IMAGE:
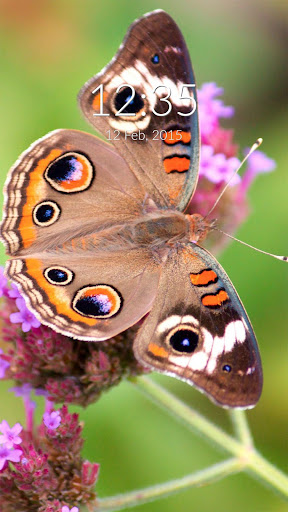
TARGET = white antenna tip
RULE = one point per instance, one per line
(256, 145)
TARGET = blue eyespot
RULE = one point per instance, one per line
(46, 213)
(227, 368)
(132, 106)
(155, 59)
(59, 275)
(184, 340)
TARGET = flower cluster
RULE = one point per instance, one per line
(43, 471)
(68, 370)
(218, 162)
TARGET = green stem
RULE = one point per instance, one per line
(251, 460)
(241, 427)
(205, 476)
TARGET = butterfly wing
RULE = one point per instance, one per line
(164, 150)
(87, 294)
(199, 331)
(67, 184)
(68, 201)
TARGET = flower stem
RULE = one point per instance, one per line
(241, 426)
(205, 476)
(251, 460)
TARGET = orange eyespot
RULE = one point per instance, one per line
(97, 301)
(71, 172)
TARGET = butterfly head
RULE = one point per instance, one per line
(199, 227)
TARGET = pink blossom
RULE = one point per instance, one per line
(14, 292)
(9, 435)
(6, 455)
(24, 316)
(4, 290)
(52, 419)
(216, 167)
(24, 390)
(67, 509)
(258, 163)
(211, 109)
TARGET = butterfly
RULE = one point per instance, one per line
(97, 233)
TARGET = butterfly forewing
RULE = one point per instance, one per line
(161, 142)
(67, 185)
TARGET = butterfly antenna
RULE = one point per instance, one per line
(281, 258)
(252, 149)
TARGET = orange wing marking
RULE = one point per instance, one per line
(215, 300)
(203, 278)
(96, 103)
(176, 136)
(34, 192)
(56, 295)
(157, 351)
(176, 163)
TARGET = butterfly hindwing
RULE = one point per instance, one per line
(86, 293)
(164, 150)
(199, 331)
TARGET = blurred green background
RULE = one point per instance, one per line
(48, 50)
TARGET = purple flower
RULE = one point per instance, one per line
(14, 292)
(23, 390)
(211, 109)
(52, 419)
(9, 435)
(4, 290)
(24, 316)
(67, 509)
(258, 163)
(6, 454)
(216, 167)
(3, 365)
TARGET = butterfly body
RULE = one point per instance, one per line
(98, 236)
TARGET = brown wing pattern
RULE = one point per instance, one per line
(153, 54)
(199, 331)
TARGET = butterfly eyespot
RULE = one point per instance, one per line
(227, 368)
(133, 106)
(97, 301)
(184, 339)
(59, 275)
(46, 213)
(155, 59)
(71, 172)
